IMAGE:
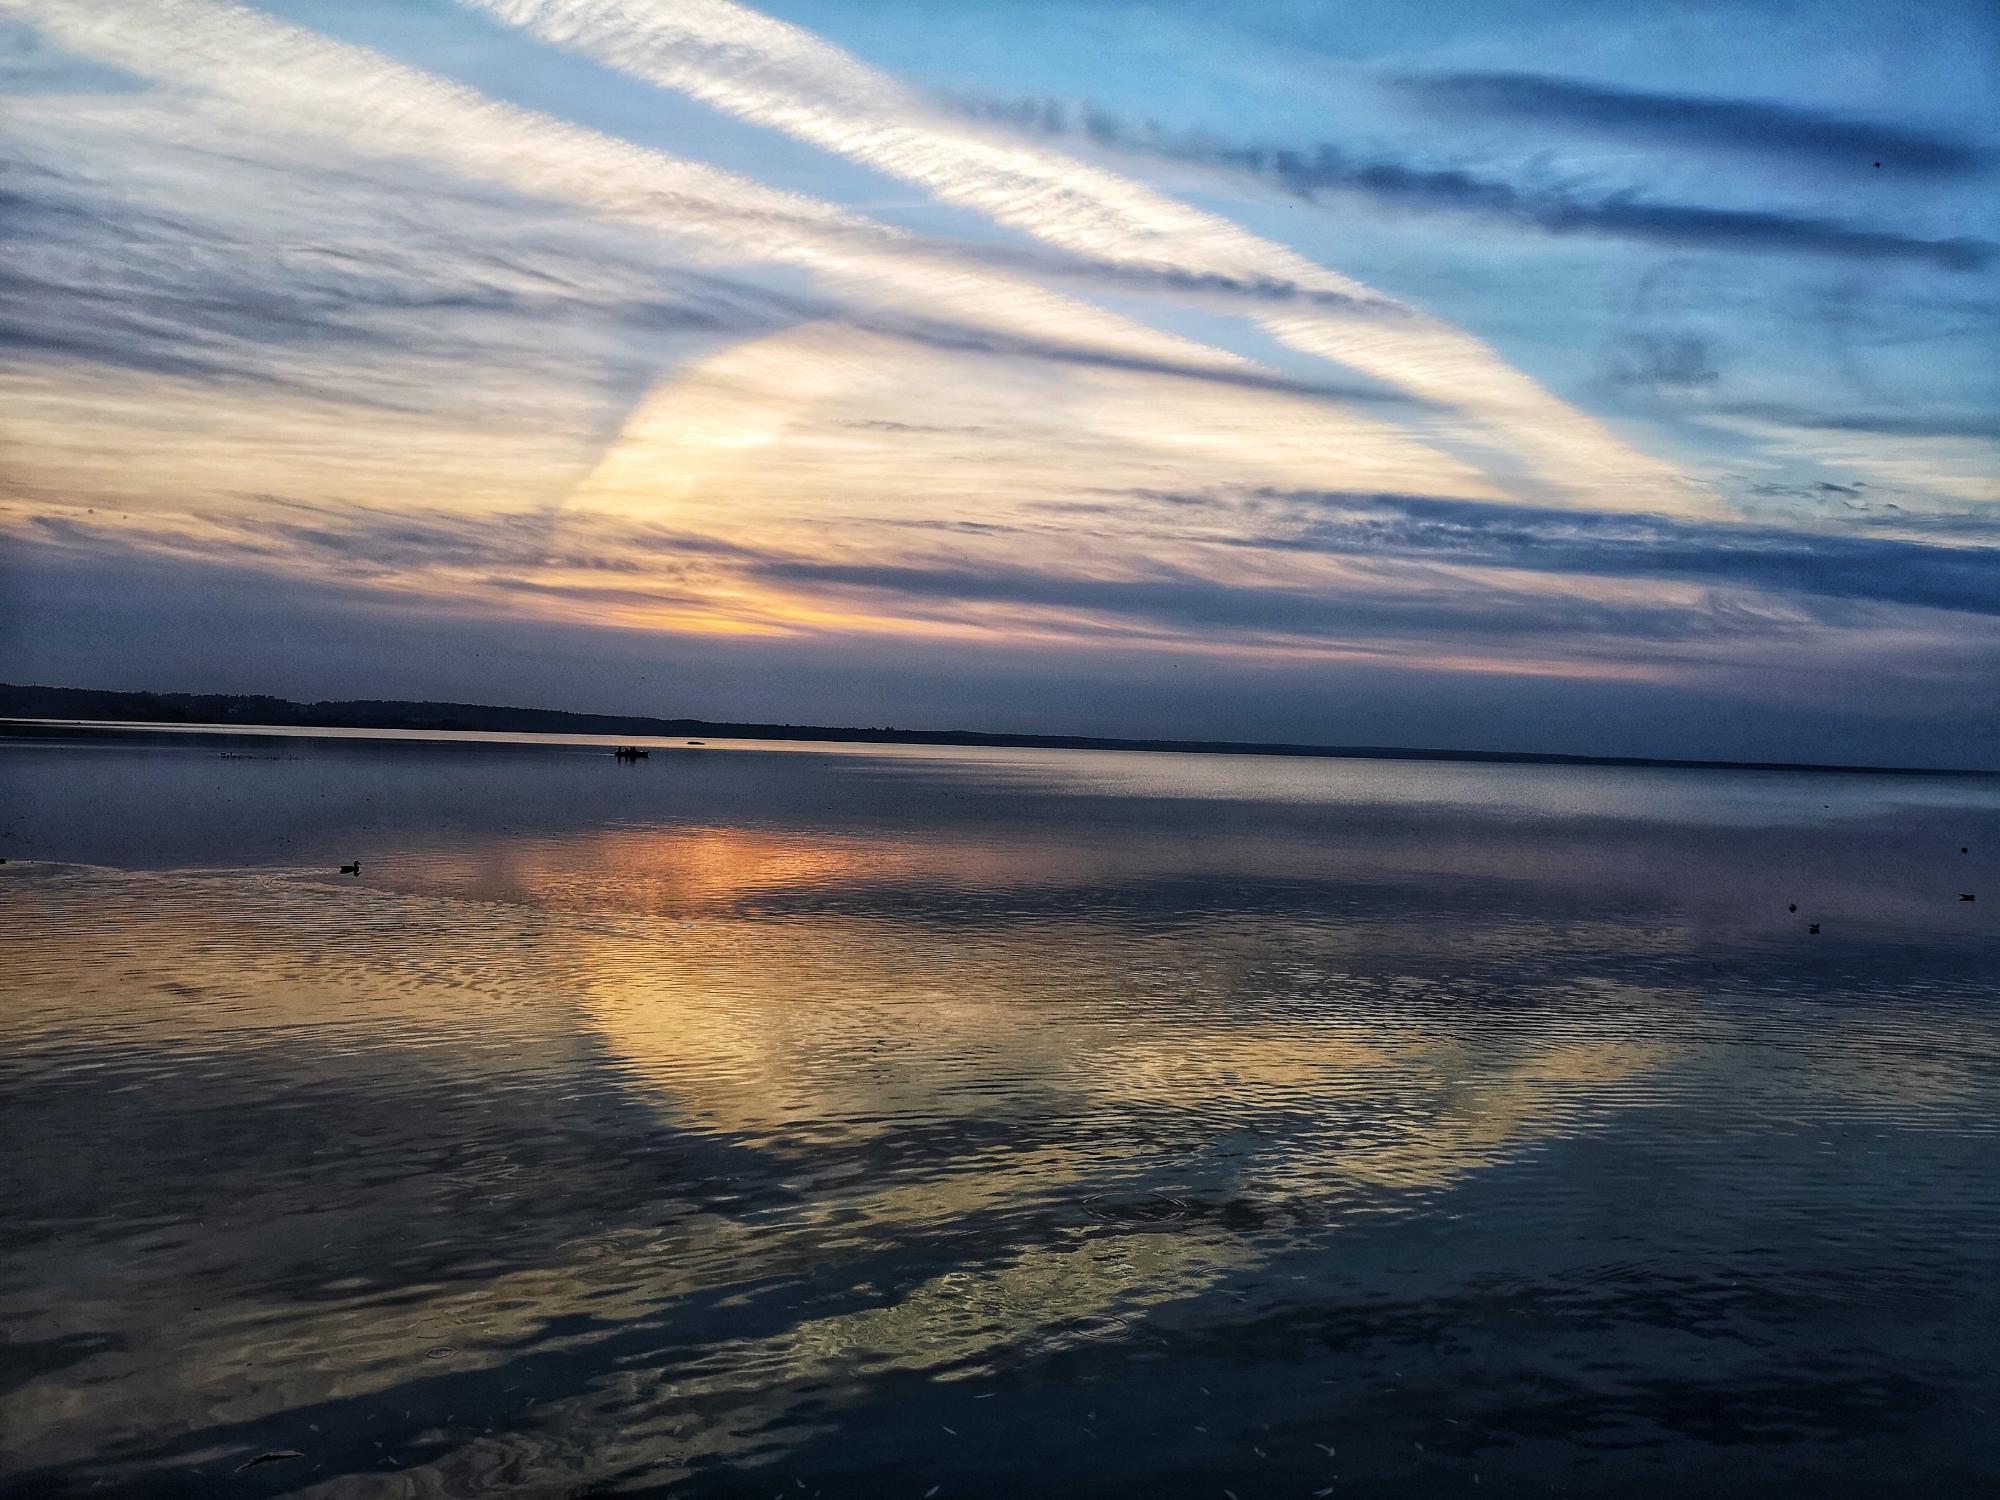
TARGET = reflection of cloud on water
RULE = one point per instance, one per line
(815, 1152)
(1096, 1095)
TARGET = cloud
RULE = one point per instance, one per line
(41, 202)
(1746, 125)
(431, 558)
(1896, 423)
(1982, 529)
(773, 74)
(174, 307)
(1391, 614)
(219, 323)
(582, 564)
(397, 542)
(347, 280)
(1609, 545)
(1472, 535)
(1435, 609)
(762, 439)
(1821, 490)
(1951, 457)
(978, 341)
(246, 69)
(1662, 361)
(1311, 171)
(382, 239)
(1425, 569)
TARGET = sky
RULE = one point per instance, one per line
(1611, 378)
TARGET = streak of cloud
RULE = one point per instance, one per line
(251, 67)
(1889, 423)
(183, 295)
(1315, 173)
(590, 566)
(1701, 120)
(1604, 545)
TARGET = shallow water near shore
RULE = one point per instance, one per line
(762, 1120)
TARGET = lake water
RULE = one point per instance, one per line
(897, 1123)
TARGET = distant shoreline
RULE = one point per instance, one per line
(32, 706)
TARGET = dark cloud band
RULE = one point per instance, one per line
(1744, 125)
(1311, 171)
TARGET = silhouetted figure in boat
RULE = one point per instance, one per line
(353, 869)
(1813, 928)
(1967, 896)
(628, 752)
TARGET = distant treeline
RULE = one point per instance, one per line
(23, 701)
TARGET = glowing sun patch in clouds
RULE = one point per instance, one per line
(774, 74)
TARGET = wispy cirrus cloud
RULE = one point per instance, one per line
(196, 290)
(245, 66)
(184, 294)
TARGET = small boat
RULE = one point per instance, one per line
(629, 752)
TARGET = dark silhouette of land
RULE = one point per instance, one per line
(20, 701)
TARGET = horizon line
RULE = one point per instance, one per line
(328, 712)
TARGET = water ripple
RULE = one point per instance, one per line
(1174, 1149)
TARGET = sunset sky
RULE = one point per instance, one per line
(1619, 378)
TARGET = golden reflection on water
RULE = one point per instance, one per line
(699, 869)
(800, 1041)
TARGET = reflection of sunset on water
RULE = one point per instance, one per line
(727, 1105)
(824, 1049)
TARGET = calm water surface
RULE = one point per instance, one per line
(792, 1120)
